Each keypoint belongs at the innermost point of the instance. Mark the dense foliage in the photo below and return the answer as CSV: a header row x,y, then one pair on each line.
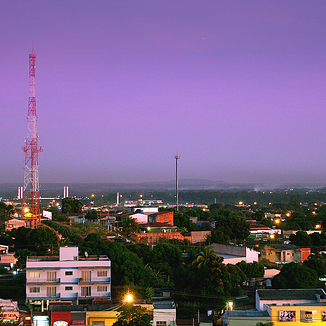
x,y
295,276
132,315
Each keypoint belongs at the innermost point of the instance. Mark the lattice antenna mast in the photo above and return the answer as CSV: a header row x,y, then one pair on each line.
x,y
177,158
31,198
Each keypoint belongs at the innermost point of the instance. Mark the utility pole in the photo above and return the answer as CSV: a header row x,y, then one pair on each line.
x,y
177,158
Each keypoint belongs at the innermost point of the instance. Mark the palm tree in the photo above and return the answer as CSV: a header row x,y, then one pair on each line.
x,y
206,257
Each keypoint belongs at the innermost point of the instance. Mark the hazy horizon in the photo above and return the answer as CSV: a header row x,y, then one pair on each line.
x,y
236,88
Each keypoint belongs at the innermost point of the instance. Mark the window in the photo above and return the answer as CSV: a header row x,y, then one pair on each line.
x,y
51,291
102,273
161,323
98,322
34,290
102,288
51,276
68,288
34,274
68,273
86,276
86,291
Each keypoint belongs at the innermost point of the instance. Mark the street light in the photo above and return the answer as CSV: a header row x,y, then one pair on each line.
x,y
129,298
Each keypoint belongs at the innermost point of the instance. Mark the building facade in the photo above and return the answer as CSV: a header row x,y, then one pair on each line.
x,y
285,253
67,278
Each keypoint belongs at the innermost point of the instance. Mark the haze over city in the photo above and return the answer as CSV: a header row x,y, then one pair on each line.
x,y
237,88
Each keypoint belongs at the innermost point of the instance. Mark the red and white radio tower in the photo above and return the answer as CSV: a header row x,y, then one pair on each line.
x,y
31,198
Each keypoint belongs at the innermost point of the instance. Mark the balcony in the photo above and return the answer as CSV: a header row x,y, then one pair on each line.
x,y
42,281
106,280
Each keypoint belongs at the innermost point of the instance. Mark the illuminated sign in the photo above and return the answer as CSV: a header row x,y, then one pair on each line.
x,y
10,316
286,315
323,315
60,323
308,316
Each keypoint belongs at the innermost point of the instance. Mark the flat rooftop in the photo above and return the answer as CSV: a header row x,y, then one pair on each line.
x,y
290,294
56,258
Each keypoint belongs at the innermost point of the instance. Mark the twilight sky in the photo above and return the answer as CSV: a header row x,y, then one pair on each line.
x,y
238,88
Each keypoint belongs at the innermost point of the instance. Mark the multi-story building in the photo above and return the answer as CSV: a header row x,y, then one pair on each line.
x,y
67,278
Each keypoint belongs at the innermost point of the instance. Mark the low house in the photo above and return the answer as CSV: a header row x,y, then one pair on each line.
x,y
244,317
298,306
235,254
140,217
285,253
267,297
161,217
14,223
154,237
199,236
96,314
164,313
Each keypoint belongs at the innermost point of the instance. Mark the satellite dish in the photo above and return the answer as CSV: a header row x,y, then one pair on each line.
x,y
86,254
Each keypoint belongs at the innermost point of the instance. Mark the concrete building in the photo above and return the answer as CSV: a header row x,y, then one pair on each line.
x,y
140,217
67,278
244,317
235,254
161,217
285,253
199,236
282,307
14,224
164,313
267,297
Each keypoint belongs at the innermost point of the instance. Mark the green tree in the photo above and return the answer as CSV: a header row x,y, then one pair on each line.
x,y
295,276
129,225
91,214
252,269
21,255
301,238
71,205
219,235
43,240
317,263
19,237
205,258
131,315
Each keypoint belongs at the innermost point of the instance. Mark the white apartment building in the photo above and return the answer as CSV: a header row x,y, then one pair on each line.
x,y
67,278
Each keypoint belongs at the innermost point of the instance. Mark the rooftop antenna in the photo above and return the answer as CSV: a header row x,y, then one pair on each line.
x,y
177,158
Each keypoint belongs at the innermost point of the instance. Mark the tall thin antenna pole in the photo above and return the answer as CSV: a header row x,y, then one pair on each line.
x,y
31,197
177,158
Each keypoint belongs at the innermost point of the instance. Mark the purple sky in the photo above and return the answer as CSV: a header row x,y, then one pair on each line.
x,y
238,88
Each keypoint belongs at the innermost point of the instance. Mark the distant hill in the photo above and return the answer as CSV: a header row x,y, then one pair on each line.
x,y
55,189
